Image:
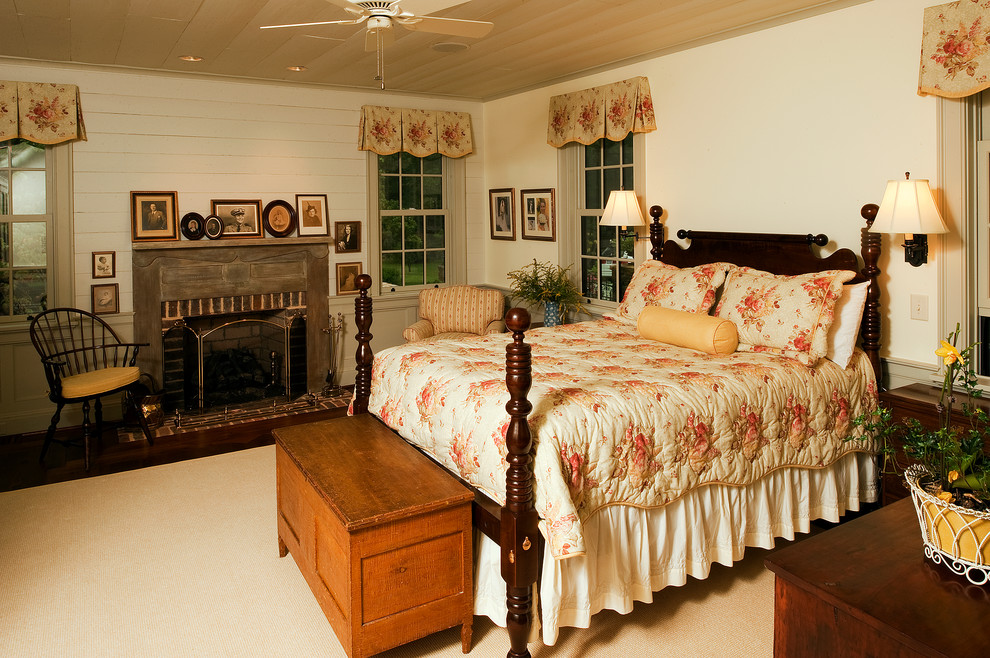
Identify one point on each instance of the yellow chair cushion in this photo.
(97, 382)
(697, 331)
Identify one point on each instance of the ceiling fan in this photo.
(380, 15)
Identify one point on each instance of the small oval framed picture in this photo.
(279, 218)
(193, 226)
(213, 227)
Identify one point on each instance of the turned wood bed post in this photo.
(870, 329)
(519, 522)
(656, 232)
(363, 357)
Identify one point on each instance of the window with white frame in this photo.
(26, 229)
(417, 202)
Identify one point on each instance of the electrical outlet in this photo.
(919, 307)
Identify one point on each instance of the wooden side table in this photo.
(865, 588)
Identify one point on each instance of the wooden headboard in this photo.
(783, 253)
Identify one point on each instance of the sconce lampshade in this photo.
(622, 210)
(908, 207)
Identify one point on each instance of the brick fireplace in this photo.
(187, 284)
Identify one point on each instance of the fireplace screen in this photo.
(224, 361)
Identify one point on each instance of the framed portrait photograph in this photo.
(347, 237)
(192, 226)
(104, 264)
(502, 213)
(154, 216)
(106, 298)
(312, 212)
(213, 227)
(241, 218)
(539, 221)
(347, 274)
(279, 218)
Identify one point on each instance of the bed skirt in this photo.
(634, 552)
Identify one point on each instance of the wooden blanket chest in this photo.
(381, 533)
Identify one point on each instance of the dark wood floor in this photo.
(20, 468)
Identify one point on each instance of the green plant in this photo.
(953, 456)
(539, 283)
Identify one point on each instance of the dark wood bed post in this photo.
(656, 232)
(363, 357)
(519, 521)
(870, 329)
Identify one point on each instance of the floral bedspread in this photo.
(618, 419)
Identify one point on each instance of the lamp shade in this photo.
(908, 207)
(623, 210)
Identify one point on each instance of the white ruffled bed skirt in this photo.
(634, 552)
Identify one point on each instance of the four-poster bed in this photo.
(822, 457)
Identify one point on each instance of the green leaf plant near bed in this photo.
(540, 283)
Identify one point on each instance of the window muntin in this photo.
(413, 220)
(25, 228)
(607, 257)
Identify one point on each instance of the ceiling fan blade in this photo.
(453, 26)
(424, 7)
(371, 38)
(356, 21)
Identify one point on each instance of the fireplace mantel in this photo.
(181, 270)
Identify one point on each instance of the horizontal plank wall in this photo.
(210, 138)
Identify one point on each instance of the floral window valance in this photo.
(40, 112)
(388, 130)
(611, 111)
(955, 49)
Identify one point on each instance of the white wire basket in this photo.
(954, 536)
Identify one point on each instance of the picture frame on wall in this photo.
(538, 215)
(279, 218)
(104, 264)
(154, 216)
(347, 237)
(105, 298)
(347, 274)
(241, 218)
(312, 212)
(502, 213)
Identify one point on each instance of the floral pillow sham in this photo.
(690, 289)
(787, 315)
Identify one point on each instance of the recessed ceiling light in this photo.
(191, 58)
(449, 47)
(297, 69)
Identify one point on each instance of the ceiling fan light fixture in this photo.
(449, 47)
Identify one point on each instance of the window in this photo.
(607, 256)
(26, 228)
(413, 221)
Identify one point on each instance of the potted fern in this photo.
(549, 285)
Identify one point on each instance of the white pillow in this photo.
(848, 314)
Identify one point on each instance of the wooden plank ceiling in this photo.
(533, 43)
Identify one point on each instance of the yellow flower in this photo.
(953, 476)
(946, 496)
(949, 354)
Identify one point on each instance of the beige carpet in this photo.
(181, 560)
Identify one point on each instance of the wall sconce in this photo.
(909, 208)
(623, 210)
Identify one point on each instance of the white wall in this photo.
(209, 138)
(791, 129)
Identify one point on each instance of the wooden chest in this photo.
(381, 533)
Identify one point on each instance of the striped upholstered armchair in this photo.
(456, 312)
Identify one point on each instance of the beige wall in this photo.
(790, 129)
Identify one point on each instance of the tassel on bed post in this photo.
(519, 522)
(870, 328)
(363, 357)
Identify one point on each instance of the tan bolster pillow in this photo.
(694, 330)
